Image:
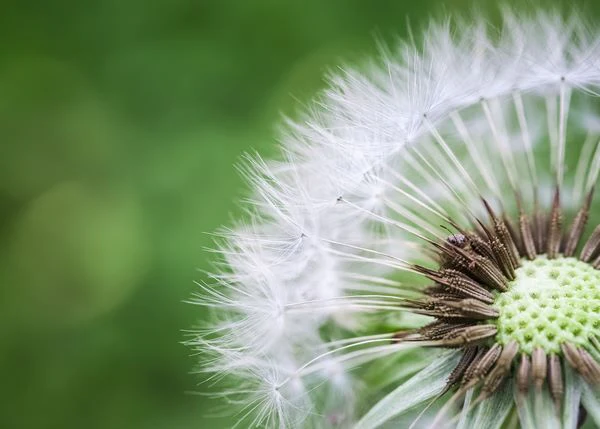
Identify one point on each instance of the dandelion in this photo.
(421, 255)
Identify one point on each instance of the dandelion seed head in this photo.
(407, 210)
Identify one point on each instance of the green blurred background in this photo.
(120, 123)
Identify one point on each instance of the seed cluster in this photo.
(516, 300)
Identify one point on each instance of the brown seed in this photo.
(517, 247)
(459, 370)
(498, 374)
(509, 352)
(575, 359)
(476, 267)
(554, 227)
(441, 308)
(500, 241)
(538, 367)
(555, 380)
(488, 272)
(468, 335)
(454, 257)
(481, 246)
(503, 257)
(467, 373)
(439, 293)
(462, 284)
(578, 225)
(527, 236)
(492, 382)
(590, 248)
(540, 229)
(503, 231)
(439, 311)
(481, 366)
(592, 366)
(571, 355)
(439, 329)
(473, 265)
(523, 374)
(474, 309)
(596, 263)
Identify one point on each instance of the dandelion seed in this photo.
(442, 200)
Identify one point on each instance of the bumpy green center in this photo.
(550, 302)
